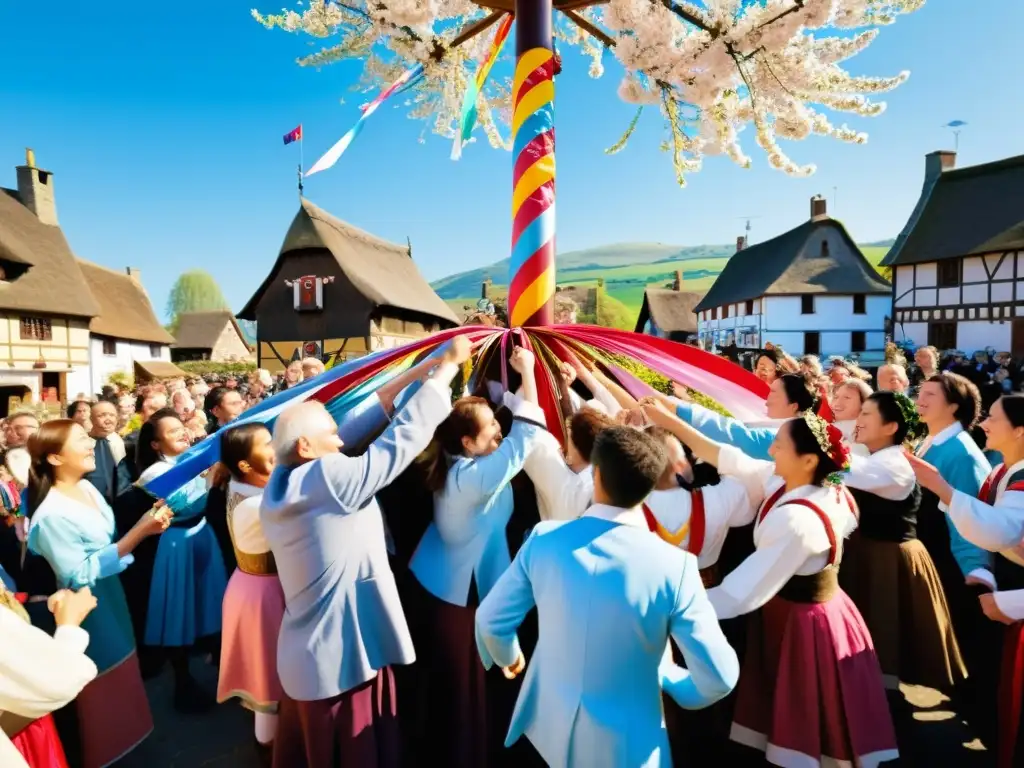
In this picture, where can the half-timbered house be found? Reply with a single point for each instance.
(958, 264)
(810, 290)
(337, 292)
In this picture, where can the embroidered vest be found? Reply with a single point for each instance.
(261, 564)
(1008, 574)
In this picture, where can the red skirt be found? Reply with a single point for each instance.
(40, 745)
(1011, 697)
(810, 689)
(358, 728)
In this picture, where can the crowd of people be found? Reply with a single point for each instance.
(436, 579)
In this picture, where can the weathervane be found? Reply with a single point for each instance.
(955, 126)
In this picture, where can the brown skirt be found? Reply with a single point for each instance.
(356, 729)
(897, 589)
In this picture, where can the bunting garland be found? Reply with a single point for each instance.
(469, 107)
(408, 78)
(347, 387)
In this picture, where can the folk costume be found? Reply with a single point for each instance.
(995, 521)
(561, 493)
(604, 584)
(77, 541)
(459, 559)
(112, 476)
(253, 609)
(961, 463)
(811, 688)
(38, 674)
(891, 578)
(343, 626)
(188, 580)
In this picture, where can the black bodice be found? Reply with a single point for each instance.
(886, 519)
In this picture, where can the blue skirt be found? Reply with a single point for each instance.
(188, 586)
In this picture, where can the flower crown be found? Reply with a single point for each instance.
(830, 440)
(909, 412)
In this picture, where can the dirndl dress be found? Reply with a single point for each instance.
(810, 689)
(1010, 751)
(891, 578)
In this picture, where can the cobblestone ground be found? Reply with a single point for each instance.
(223, 738)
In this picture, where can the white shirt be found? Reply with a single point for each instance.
(885, 473)
(38, 673)
(244, 514)
(561, 493)
(998, 528)
(790, 539)
(725, 506)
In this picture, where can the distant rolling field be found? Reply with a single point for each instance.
(644, 265)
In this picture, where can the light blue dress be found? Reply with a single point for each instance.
(189, 577)
(466, 540)
(608, 596)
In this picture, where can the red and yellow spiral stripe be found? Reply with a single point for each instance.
(532, 269)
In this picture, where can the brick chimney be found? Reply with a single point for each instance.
(485, 289)
(937, 162)
(35, 188)
(741, 243)
(677, 284)
(134, 273)
(819, 208)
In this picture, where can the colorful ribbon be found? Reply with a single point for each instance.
(409, 78)
(469, 109)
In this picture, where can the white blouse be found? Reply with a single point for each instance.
(725, 506)
(790, 539)
(885, 473)
(244, 514)
(998, 528)
(561, 493)
(38, 673)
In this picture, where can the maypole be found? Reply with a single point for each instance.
(531, 294)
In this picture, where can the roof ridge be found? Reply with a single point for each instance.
(955, 174)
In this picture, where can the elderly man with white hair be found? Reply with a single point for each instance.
(892, 377)
(343, 627)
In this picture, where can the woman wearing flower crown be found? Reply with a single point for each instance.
(887, 571)
(995, 521)
(811, 690)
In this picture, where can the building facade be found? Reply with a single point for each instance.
(810, 290)
(55, 322)
(958, 264)
(213, 335)
(669, 312)
(337, 292)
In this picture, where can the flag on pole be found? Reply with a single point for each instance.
(295, 135)
(468, 119)
(405, 81)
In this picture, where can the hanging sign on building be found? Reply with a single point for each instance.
(308, 292)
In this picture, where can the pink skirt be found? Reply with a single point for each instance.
(811, 690)
(253, 609)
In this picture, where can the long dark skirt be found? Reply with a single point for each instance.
(462, 710)
(356, 729)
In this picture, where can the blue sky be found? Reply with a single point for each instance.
(163, 123)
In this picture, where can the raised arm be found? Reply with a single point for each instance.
(356, 480)
(712, 668)
(565, 493)
(703, 447)
(40, 673)
(753, 441)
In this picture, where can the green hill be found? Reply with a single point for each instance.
(626, 268)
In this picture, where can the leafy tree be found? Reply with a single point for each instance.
(194, 291)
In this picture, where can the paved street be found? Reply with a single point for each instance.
(223, 739)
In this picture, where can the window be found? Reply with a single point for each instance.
(109, 347)
(807, 307)
(860, 304)
(949, 273)
(748, 309)
(155, 351)
(858, 342)
(36, 329)
(824, 249)
(812, 343)
(942, 336)
(714, 313)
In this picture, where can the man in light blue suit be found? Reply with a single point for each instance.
(609, 594)
(343, 626)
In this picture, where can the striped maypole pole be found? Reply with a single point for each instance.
(531, 294)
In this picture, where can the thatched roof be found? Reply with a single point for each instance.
(155, 370)
(201, 330)
(125, 311)
(53, 283)
(383, 272)
(794, 263)
(966, 212)
(671, 311)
